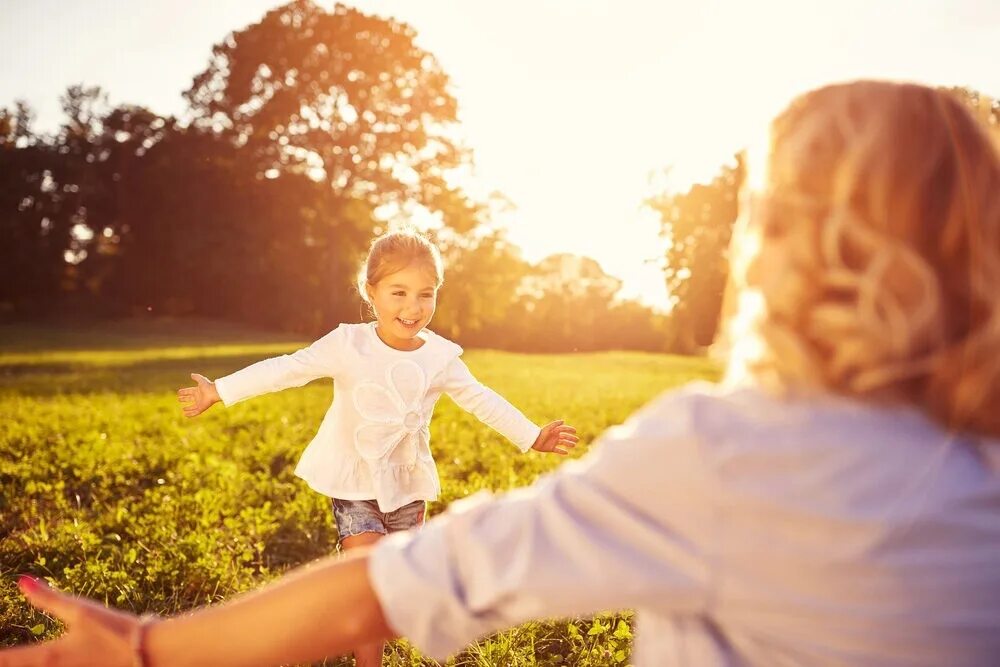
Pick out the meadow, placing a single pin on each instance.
(108, 491)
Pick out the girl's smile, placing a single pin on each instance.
(404, 303)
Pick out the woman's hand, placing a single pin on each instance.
(95, 635)
(322, 609)
(198, 398)
(556, 437)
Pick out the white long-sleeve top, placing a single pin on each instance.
(743, 528)
(374, 441)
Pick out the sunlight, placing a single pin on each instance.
(571, 135)
(745, 345)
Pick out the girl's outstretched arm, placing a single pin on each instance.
(497, 412)
(198, 398)
(323, 609)
(320, 359)
(556, 437)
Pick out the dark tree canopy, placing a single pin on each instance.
(698, 225)
(345, 97)
(305, 134)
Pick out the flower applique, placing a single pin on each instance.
(396, 427)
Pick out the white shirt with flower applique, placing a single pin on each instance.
(374, 441)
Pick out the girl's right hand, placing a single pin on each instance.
(198, 398)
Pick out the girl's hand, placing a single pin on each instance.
(198, 398)
(557, 438)
(95, 635)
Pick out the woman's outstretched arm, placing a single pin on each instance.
(322, 609)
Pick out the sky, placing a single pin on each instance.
(570, 106)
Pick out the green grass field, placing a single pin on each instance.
(107, 491)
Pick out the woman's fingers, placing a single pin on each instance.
(31, 656)
(66, 607)
(96, 635)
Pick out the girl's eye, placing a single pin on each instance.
(427, 296)
(399, 293)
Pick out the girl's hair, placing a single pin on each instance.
(395, 251)
(883, 202)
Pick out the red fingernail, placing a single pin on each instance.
(27, 583)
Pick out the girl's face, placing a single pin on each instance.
(404, 303)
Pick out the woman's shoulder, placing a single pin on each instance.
(736, 424)
(723, 418)
(697, 406)
(748, 411)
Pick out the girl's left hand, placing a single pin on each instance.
(556, 437)
(95, 635)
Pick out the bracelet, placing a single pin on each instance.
(137, 642)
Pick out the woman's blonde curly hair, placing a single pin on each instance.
(878, 268)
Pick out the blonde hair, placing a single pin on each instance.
(883, 201)
(394, 251)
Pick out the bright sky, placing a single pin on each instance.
(569, 105)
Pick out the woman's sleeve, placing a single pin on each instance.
(321, 359)
(488, 406)
(624, 528)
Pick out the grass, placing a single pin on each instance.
(107, 491)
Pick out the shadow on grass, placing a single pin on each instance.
(43, 380)
(131, 334)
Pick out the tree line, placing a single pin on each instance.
(303, 135)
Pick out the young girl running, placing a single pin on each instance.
(372, 453)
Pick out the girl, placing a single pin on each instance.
(372, 454)
(841, 506)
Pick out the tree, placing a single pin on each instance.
(47, 183)
(260, 208)
(482, 274)
(30, 253)
(301, 126)
(698, 225)
(346, 97)
(209, 235)
(567, 303)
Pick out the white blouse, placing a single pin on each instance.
(743, 529)
(374, 441)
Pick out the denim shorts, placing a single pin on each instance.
(354, 517)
